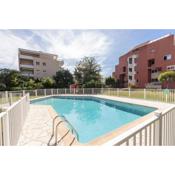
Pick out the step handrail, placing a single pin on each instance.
(55, 131)
(73, 130)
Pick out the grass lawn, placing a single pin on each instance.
(156, 95)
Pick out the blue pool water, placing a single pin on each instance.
(93, 117)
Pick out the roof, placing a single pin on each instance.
(35, 51)
(151, 41)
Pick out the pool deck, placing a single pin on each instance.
(37, 129)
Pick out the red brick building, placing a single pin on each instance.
(141, 66)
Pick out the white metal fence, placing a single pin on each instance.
(12, 120)
(163, 95)
(157, 131)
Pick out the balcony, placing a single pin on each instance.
(27, 74)
(61, 62)
(25, 57)
(30, 66)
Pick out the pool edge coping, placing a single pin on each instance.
(103, 139)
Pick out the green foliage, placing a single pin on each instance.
(167, 76)
(13, 80)
(110, 82)
(9, 79)
(87, 72)
(63, 79)
(47, 82)
(92, 84)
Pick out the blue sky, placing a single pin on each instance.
(72, 45)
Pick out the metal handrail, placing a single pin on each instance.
(48, 144)
(71, 128)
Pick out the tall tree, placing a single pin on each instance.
(110, 82)
(48, 82)
(87, 72)
(63, 79)
(9, 79)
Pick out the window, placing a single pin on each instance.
(130, 77)
(44, 70)
(124, 69)
(44, 64)
(37, 63)
(151, 62)
(137, 81)
(130, 60)
(130, 69)
(153, 50)
(167, 57)
(37, 70)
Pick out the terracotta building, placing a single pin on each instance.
(141, 66)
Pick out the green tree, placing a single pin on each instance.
(48, 82)
(110, 82)
(87, 72)
(167, 76)
(10, 79)
(63, 79)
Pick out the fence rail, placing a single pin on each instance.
(7, 98)
(157, 131)
(12, 120)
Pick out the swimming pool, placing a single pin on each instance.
(93, 117)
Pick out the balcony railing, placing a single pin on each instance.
(26, 66)
(26, 57)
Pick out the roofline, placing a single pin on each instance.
(147, 43)
(35, 51)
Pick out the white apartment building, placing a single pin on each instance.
(38, 64)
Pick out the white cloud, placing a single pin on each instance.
(75, 45)
(69, 45)
(9, 44)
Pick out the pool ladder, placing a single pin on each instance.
(55, 127)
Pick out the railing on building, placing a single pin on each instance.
(12, 120)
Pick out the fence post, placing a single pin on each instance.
(102, 90)
(129, 92)
(57, 91)
(36, 93)
(6, 96)
(6, 134)
(117, 92)
(166, 97)
(65, 91)
(23, 92)
(11, 99)
(159, 115)
(51, 91)
(44, 92)
(92, 90)
(144, 93)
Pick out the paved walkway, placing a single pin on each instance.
(37, 127)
